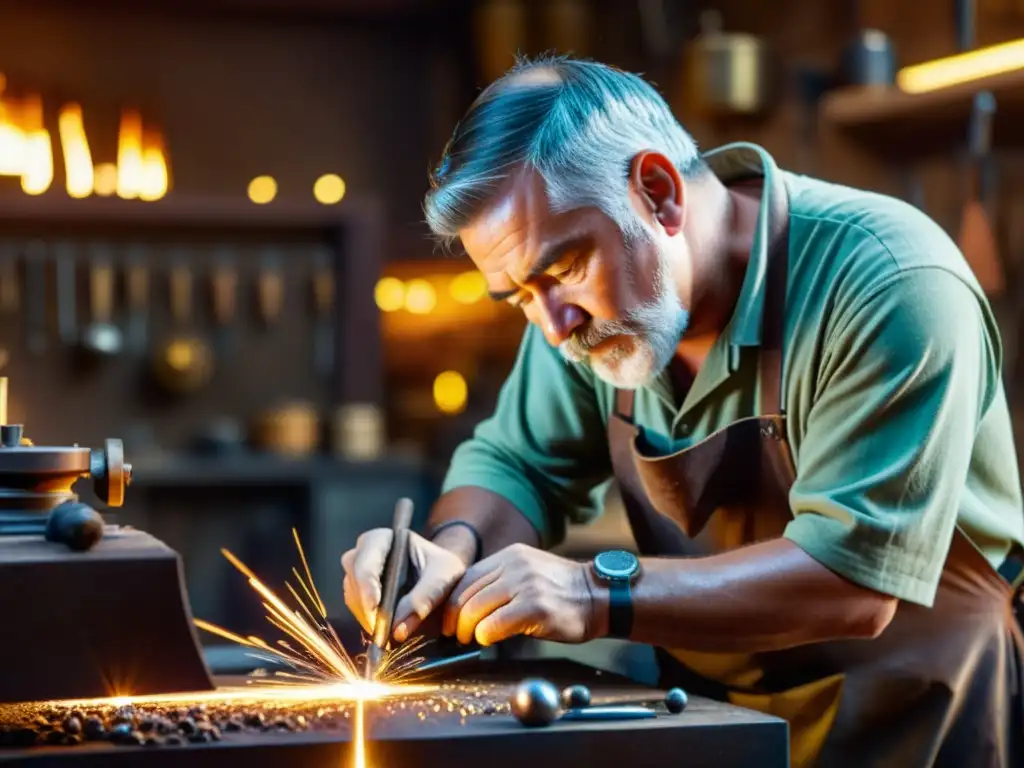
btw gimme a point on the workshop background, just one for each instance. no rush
(211, 242)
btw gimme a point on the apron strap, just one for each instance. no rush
(773, 325)
(624, 404)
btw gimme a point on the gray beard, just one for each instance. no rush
(654, 328)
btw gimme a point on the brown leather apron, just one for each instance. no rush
(939, 687)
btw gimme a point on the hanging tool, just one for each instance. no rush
(101, 337)
(270, 288)
(323, 312)
(67, 293)
(395, 569)
(9, 293)
(977, 239)
(137, 293)
(36, 296)
(224, 289)
(184, 362)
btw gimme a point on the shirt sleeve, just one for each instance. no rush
(545, 448)
(905, 380)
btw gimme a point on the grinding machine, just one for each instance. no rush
(91, 609)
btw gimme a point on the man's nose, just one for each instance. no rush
(558, 319)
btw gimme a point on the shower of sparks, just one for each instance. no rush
(321, 665)
(320, 656)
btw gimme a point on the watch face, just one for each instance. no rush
(617, 564)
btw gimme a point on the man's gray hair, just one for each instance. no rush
(577, 123)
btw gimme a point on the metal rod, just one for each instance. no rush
(609, 712)
(447, 662)
(395, 570)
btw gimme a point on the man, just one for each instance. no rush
(797, 388)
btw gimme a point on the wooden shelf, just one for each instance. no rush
(175, 210)
(899, 124)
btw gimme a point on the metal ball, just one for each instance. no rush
(535, 703)
(74, 524)
(676, 700)
(576, 697)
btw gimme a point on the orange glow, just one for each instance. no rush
(468, 287)
(129, 156)
(154, 166)
(12, 139)
(37, 168)
(26, 151)
(105, 179)
(359, 737)
(78, 171)
(420, 297)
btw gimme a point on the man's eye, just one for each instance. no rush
(574, 270)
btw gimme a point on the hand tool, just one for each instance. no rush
(446, 663)
(607, 712)
(36, 293)
(977, 240)
(224, 292)
(67, 293)
(323, 302)
(138, 295)
(101, 338)
(395, 570)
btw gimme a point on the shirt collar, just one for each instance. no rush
(736, 162)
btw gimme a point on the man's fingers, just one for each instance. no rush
(413, 609)
(469, 585)
(476, 577)
(371, 553)
(514, 618)
(481, 605)
(347, 559)
(354, 604)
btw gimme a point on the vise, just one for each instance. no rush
(90, 609)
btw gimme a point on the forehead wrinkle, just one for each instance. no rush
(521, 209)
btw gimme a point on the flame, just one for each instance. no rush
(26, 151)
(12, 139)
(37, 170)
(78, 169)
(154, 166)
(129, 155)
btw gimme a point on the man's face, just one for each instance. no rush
(603, 302)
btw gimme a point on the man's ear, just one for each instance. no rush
(658, 184)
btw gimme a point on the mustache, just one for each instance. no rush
(595, 333)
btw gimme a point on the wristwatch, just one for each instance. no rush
(618, 569)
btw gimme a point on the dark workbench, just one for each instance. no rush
(468, 720)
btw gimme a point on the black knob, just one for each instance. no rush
(75, 525)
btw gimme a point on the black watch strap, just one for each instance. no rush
(620, 609)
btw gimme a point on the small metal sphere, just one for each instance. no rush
(534, 702)
(676, 700)
(576, 697)
(75, 524)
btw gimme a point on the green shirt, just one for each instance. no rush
(897, 417)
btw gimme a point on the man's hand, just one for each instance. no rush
(438, 571)
(522, 590)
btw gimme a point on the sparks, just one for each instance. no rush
(320, 664)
